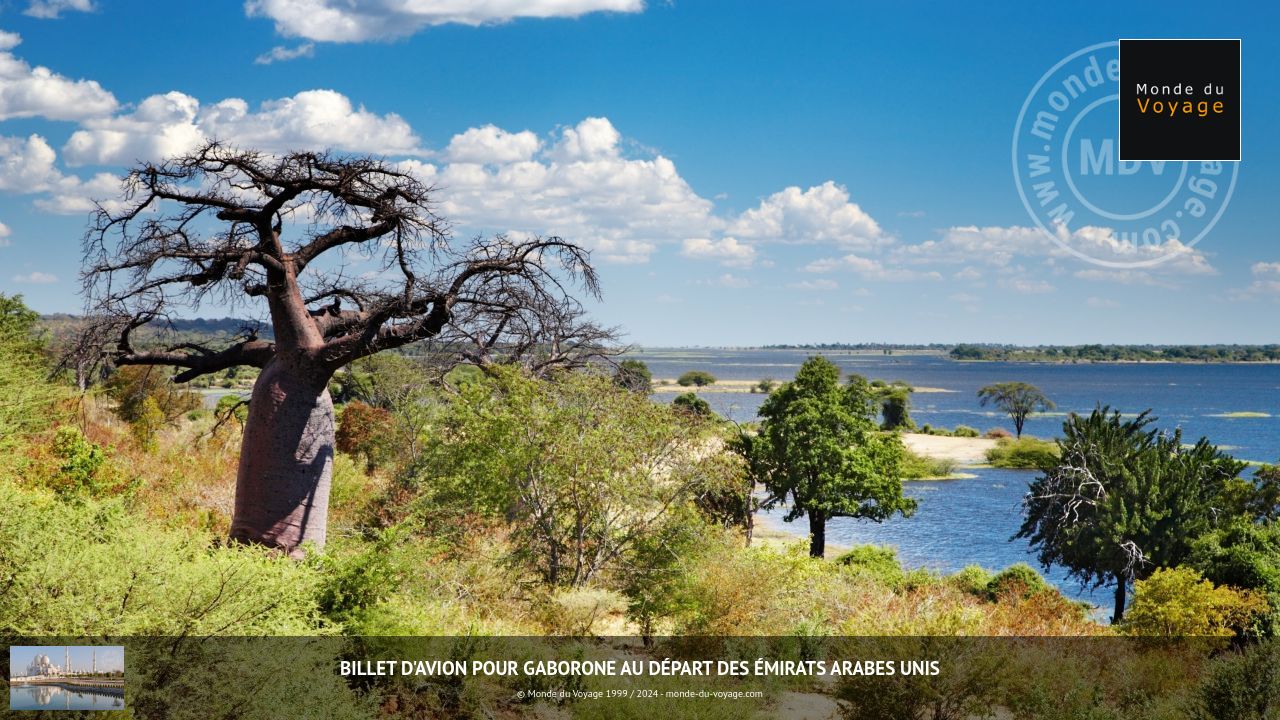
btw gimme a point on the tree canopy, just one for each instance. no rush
(1125, 499)
(820, 450)
(1018, 399)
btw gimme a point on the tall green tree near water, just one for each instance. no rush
(820, 451)
(1125, 499)
(1019, 399)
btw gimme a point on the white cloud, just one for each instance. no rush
(492, 145)
(869, 268)
(36, 278)
(27, 165)
(39, 92)
(174, 122)
(581, 187)
(821, 214)
(819, 284)
(52, 9)
(727, 250)
(5, 232)
(1266, 282)
(1026, 286)
(727, 280)
(346, 21)
(281, 53)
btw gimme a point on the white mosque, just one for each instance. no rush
(42, 666)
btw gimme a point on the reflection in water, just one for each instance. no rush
(57, 697)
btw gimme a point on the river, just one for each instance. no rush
(970, 521)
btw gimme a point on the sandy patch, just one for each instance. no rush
(963, 450)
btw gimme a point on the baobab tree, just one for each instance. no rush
(287, 233)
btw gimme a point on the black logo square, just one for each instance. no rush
(1180, 99)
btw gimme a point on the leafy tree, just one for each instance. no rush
(696, 378)
(582, 469)
(766, 386)
(404, 388)
(1124, 500)
(1244, 555)
(895, 406)
(634, 375)
(689, 403)
(276, 232)
(1018, 399)
(820, 451)
(132, 386)
(365, 430)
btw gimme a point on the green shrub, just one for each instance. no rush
(89, 568)
(1023, 453)
(1241, 686)
(1179, 602)
(916, 466)
(877, 562)
(1019, 580)
(965, 431)
(973, 579)
(691, 404)
(696, 378)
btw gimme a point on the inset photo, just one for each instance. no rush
(66, 677)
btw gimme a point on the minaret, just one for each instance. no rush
(95, 661)
(66, 660)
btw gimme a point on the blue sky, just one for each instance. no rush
(110, 657)
(745, 173)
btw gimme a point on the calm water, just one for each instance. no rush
(55, 697)
(962, 522)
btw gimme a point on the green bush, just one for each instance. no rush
(877, 562)
(691, 404)
(965, 431)
(1020, 580)
(916, 466)
(90, 568)
(1026, 453)
(1241, 686)
(973, 579)
(696, 378)
(1179, 602)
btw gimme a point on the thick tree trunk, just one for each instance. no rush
(817, 534)
(1118, 614)
(286, 460)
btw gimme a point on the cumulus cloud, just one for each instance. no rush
(53, 9)
(281, 53)
(727, 280)
(1266, 282)
(39, 92)
(1026, 286)
(346, 21)
(819, 284)
(580, 186)
(728, 251)
(5, 232)
(36, 278)
(869, 268)
(821, 214)
(492, 144)
(163, 125)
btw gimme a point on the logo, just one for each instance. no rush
(1115, 213)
